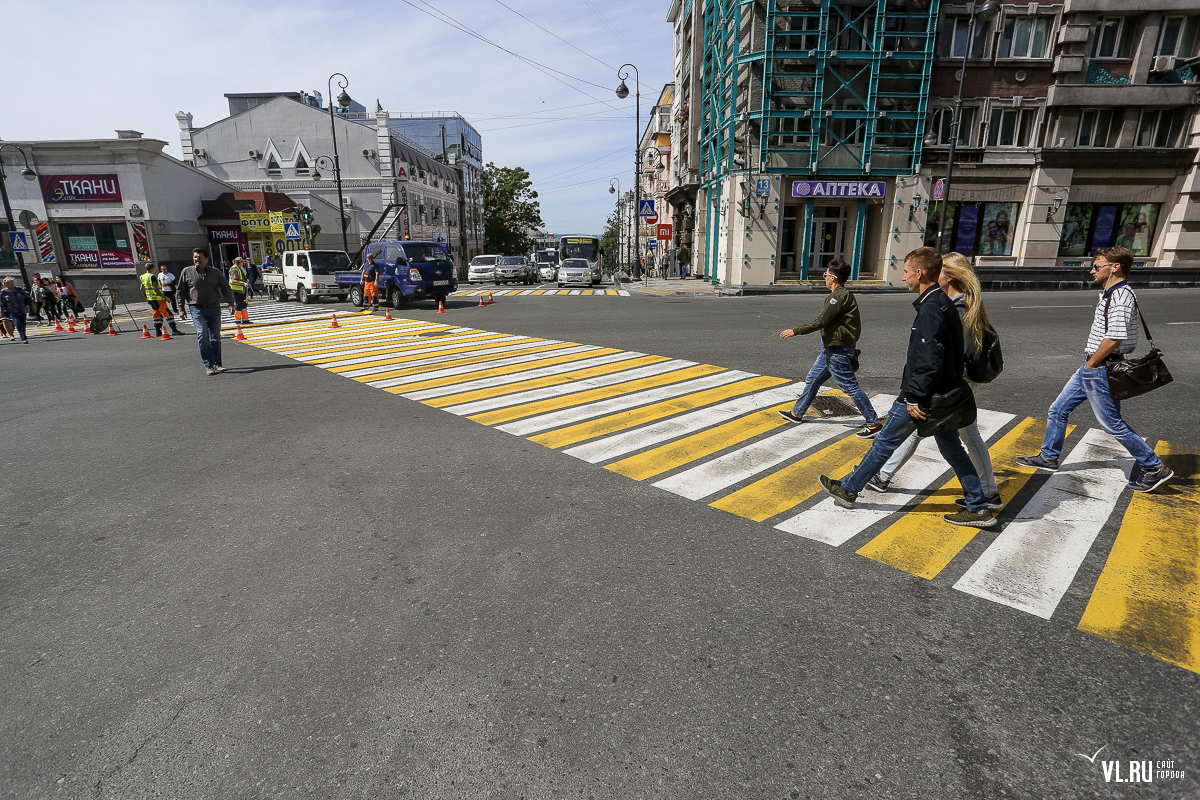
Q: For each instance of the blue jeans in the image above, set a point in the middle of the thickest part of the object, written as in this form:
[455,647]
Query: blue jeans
[19,325]
[835,362]
[208,334]
[900,426]
[1092,385]
[976,449]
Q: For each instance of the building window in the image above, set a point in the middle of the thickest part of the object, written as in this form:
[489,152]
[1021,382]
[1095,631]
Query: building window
[1177,37]
[1025,37]
[952,38]
[1088,227]
[1114,38]
[1011,127]
[984,229]
[273,169]
[301,165]
[1159,127]
[1096,128]
[943,123]
[96,245]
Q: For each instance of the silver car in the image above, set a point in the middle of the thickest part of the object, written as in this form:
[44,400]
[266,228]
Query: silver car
[482,269]
[514,269]
[575,271]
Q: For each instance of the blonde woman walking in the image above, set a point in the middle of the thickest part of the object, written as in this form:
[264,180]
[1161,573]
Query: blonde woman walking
[960,283]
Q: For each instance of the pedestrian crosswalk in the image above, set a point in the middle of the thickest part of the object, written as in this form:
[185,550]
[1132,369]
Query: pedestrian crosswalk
[713,435]
[542,293]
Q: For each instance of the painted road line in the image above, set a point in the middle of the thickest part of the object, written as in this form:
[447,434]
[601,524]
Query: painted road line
[789,487]
[525,380]
[315,336]
[512,354]
[1183,323]
[1148,595]
[503,409]
[301,341]
[614,403]
[451,375]
[365,344]
[646,414]
[916,544]
[1031,563]
[829,523]
[385,345]
[642,438]
[377,358]
[1050,306]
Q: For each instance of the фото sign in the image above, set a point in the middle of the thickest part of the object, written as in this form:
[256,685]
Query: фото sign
[860,189]
[80,188]
[254,222]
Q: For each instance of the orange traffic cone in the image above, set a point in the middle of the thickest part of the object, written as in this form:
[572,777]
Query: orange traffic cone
[146,332]
[112,329]
[71,325]
[441,307]
[335,325]
[241,338]
[166,337]
[58,328]
[481,303]
[86,328]
[490,299]
[388,315]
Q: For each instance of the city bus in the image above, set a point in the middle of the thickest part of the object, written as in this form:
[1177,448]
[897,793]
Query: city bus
[581,246]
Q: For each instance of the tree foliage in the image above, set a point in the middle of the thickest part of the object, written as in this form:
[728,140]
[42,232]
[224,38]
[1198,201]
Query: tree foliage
[510,210]
[610,242]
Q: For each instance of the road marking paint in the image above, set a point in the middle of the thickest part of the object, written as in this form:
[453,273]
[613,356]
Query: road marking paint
[326,339]
[640,439]
[514,353]
[458,347]
[285,336]
[502,409]
[614,403]
[1148,595]
[514,380]
[1032,562]
[918,545]
[640,416]
[447,379]
[1183,323]
[1050,306]
[724,471]
[366,345]
[826,522]
[527,291]
[540,291]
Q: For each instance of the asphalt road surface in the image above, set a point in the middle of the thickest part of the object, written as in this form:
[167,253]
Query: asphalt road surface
[277,582]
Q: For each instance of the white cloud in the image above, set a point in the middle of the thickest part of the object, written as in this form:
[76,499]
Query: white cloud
[85,69]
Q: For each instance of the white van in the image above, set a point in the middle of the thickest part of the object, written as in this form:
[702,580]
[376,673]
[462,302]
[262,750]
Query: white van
[307,274]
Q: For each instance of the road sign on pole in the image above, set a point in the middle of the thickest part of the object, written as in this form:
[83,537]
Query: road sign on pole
[939,188]
[291,230]
[646,209]
[19,243]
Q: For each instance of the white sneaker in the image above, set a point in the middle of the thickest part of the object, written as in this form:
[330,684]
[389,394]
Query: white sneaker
[218,368]
[209,371]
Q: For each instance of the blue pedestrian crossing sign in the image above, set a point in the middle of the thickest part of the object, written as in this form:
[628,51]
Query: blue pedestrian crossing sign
[291,230]
[646,209]
[20,244]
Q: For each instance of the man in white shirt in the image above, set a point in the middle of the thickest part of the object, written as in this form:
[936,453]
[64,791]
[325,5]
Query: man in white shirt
[1113,335]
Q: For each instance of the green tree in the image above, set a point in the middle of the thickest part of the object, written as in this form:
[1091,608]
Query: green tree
[610,242]
[510,210]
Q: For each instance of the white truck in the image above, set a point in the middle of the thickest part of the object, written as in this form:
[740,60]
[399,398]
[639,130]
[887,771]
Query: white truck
[306,274]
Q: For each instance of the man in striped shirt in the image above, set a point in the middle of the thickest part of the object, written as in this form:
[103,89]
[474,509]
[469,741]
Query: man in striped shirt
[1113,335]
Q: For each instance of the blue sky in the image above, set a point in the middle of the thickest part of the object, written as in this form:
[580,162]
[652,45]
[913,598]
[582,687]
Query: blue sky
[83,69]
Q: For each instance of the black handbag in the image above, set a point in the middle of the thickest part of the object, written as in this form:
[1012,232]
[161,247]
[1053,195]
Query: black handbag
[986,365]
[948,411]
[1131,377]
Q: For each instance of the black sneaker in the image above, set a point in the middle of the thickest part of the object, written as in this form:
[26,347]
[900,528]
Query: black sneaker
[995,502]
[878,484]
[869,431]
[971,519]
[791,417]
[1037,462]
[1149,481]
[841,496]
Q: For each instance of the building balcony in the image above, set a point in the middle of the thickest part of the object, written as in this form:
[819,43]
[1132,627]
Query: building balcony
[1101,95]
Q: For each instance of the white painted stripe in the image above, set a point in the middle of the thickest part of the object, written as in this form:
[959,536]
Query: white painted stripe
[1050,306]
[725,471]
[576,291]
[363,340]
[516,377]
[405,351]
[314,337]
[1032,562]
[826,522]
[525,292]
[569,416]
[572,387]
[1183,323]
[640,438]
[622,293]
[508,348]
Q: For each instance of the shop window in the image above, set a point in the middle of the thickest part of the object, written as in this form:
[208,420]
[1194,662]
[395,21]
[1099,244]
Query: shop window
[97,245]
[1159,127]
[1025,37]
[952,38]
[1114,38]
[1096,128]
[983,229]
[1177,37]
[943,125]
[1088,227]
[1011,127]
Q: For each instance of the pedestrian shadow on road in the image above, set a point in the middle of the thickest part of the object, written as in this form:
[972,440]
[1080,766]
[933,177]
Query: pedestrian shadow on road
[263,368]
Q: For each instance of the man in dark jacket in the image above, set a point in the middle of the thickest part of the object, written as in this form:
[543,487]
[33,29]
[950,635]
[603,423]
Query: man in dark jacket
[840,326]
[203,287]
[934,366]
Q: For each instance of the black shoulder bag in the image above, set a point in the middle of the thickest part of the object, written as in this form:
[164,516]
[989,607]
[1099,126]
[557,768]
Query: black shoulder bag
[986,365]
[1131,377]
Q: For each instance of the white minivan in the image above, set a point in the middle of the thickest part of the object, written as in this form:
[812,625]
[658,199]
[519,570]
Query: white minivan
[306,274]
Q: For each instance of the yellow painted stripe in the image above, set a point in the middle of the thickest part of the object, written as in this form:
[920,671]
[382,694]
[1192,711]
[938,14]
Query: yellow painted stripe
[539,291]
[400,349]
[286,334]
[920,548]
[507,369]
[537,383]
[1148,595]
[325,336]
[335,351]
[640,416]
[530,349]
[692,448]
[604,392]
[611,292]
[401,357]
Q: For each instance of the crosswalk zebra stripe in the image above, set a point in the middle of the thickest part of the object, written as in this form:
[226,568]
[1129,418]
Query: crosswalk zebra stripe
[341,361]
[523,404]
[523,353]
[383,344]
[826,522]
[1032,562]
[324,336]
[362,342]
[509,381]
[710,477]
[642,438]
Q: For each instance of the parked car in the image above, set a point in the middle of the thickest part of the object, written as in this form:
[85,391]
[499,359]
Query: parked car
[411,271]
[576,271]
[305,274]
[514,269]
[547,272]
[482,269]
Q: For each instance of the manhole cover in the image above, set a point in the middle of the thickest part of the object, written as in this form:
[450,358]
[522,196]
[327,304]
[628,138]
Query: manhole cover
[834,407]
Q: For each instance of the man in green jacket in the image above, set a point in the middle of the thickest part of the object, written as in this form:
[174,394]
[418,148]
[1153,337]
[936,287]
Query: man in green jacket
[840,327]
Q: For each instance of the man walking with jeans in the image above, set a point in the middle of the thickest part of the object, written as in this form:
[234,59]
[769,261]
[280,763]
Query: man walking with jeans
[1114,333]
[840,327]
[934,366]
[203,287]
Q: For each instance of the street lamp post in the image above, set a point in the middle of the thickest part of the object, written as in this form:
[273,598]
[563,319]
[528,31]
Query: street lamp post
[344,101]
[28,174]
[986,12]
[623,92]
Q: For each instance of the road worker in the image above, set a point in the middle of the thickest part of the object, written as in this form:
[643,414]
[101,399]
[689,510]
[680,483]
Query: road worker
[237,284]
[370,276]
[153,292]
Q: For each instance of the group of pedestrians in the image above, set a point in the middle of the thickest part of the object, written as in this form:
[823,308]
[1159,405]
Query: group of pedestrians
[950,330]
[50,297]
